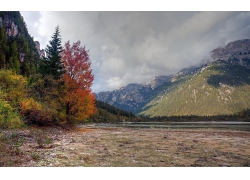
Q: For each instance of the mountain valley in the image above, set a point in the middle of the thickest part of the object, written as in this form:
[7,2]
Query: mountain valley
[221,87]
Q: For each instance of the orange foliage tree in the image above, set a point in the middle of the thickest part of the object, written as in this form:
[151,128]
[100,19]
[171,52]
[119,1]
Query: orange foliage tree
[78,78]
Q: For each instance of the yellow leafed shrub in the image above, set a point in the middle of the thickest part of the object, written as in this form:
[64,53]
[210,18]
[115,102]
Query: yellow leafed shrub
[30,110]
[29,104]
[9,118]
[12,87]
[34,113]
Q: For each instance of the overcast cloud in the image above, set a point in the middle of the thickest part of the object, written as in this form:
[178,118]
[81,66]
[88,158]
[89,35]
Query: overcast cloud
[134,47]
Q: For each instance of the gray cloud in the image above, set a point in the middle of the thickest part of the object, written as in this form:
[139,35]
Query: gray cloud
[133,47]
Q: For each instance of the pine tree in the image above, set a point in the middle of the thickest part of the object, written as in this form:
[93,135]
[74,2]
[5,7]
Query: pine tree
[3,42]
[51,64]
[14,60]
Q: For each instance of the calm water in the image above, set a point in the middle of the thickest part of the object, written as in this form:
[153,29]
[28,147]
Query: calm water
[239,126]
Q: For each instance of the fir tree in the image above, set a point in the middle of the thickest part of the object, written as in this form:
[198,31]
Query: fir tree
[3,42]
[14,60]
[51,64]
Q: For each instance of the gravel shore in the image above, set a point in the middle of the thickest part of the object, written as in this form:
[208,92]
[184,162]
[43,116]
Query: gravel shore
[124,147]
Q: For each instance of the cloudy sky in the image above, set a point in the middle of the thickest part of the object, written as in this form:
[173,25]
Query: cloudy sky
[134,47]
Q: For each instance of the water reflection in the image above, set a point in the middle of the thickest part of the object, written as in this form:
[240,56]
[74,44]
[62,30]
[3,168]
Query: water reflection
[240,126]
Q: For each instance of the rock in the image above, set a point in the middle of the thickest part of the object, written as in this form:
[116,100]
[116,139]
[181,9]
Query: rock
[40,51]
[235,52]
[72,140]
[53,154]
[62,156]
[180,144]
[159,80]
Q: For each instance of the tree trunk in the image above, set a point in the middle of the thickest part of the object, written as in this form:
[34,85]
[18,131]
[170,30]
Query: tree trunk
[67,111]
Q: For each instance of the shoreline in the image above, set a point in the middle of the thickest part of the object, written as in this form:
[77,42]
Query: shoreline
[91,146]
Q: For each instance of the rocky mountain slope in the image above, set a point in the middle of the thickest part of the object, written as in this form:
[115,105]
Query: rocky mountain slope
[239,49]
[18,51]
[219,87]
[237,52]
[129,98]
[133,97]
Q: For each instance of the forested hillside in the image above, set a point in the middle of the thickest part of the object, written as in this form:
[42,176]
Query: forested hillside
[221,88]
[109,113]
[17,48]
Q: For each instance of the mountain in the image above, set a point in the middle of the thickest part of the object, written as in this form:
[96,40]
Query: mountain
[237,52]
[221,87]
[18,51]
[133,97]
[129,98]
[239,49]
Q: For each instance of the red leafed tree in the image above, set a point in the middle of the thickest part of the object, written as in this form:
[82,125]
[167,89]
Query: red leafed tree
[78,78]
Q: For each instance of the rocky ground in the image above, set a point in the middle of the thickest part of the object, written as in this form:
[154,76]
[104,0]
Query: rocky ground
[112,147]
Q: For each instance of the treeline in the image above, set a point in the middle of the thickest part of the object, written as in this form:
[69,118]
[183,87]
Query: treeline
[113,110]
[240,116]
[110,114]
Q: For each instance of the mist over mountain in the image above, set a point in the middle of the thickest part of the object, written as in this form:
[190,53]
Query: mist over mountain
[220,86]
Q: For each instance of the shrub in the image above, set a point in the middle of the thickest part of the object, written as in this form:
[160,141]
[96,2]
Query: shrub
[51,94]
[13,86]
[31,111]
[34,113]
[9,118]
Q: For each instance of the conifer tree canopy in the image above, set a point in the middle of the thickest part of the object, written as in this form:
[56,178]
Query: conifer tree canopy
[51,64]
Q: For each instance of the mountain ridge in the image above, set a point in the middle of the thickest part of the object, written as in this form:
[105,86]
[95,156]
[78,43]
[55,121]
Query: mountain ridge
[140,100]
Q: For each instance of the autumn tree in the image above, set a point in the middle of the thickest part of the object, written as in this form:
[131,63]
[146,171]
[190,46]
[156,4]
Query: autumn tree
[79,101]
[52,64]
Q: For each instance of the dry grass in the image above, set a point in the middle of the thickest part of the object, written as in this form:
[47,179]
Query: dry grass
[131,147]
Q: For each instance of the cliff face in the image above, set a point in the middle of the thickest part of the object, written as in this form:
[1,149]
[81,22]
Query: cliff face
[159,80]
[40,51]
[234,50]
[11,28]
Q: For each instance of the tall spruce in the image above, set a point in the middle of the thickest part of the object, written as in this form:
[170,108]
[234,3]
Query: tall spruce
[3,48]
[14,59]
[51,64]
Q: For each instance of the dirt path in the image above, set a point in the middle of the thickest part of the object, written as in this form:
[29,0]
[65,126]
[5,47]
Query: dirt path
[111,147]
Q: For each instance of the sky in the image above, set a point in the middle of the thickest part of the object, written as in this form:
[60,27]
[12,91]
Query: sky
[135,46]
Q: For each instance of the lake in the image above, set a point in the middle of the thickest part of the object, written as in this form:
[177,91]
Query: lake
[230,125]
